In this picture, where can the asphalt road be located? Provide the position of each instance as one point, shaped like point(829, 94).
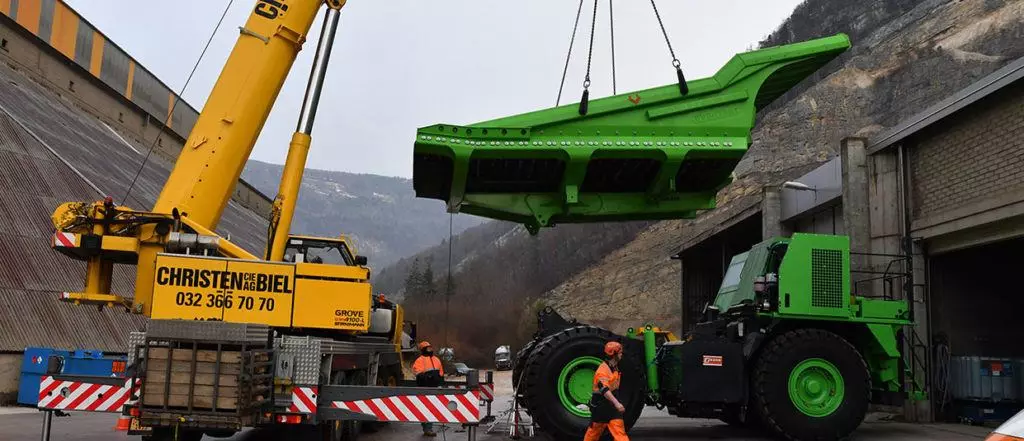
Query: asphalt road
point(26, 424)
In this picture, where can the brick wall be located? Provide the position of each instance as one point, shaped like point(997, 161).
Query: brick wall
point(977, 154)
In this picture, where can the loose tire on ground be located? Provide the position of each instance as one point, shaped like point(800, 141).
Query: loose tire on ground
point(545, 364)
point(789, 360)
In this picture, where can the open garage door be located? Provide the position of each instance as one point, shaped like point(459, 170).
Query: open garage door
point(976, 305)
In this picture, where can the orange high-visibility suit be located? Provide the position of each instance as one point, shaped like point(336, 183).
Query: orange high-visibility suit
point(603, 414)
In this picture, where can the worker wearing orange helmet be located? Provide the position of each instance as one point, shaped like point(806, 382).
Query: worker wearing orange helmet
point(605, 409)
point(429, 373)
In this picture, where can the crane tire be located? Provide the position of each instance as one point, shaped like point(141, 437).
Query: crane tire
point(811, 384)
point(549, 360)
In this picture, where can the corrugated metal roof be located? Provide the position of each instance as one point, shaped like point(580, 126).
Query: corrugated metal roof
point(33, 181)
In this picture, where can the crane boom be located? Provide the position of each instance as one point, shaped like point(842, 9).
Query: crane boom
point(215, 153)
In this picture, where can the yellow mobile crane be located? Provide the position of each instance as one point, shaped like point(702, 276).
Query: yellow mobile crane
point(233, 337)
point(171, 244)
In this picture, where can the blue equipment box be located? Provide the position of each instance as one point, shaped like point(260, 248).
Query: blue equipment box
point(38, 362)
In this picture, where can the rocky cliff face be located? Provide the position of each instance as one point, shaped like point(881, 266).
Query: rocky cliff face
point(906, 55)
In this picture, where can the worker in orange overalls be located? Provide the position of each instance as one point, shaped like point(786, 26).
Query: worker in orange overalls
point(429, 373)
point(605, 409)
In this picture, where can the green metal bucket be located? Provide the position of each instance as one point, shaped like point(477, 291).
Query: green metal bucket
point(647, 155)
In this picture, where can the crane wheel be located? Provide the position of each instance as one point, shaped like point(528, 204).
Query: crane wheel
point(811, 384)
point(343, 430)
point(167, 434)
point(558, 378)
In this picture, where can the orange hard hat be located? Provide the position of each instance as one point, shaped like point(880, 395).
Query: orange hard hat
point(612, 348)
point(424, 344)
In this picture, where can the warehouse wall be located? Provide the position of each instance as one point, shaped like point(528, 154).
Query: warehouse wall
point(976, 155)
point(55, 46)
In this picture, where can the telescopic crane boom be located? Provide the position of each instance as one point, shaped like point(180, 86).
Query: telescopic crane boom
point(184, 269)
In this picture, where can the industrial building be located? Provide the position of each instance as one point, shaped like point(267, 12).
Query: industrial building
point(951, 180)
point(78, 116)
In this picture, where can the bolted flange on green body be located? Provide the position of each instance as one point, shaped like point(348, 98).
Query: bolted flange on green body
point(647, 155)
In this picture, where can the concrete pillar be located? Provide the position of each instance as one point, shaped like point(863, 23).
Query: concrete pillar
point(856, 213)
point(771, 213)
point(885, 228)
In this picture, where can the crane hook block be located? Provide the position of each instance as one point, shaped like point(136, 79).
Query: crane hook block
point(648, 155)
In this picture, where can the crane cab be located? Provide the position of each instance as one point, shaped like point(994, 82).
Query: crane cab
point(322, 250)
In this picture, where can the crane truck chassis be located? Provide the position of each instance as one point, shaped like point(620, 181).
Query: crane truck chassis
point(785, 345)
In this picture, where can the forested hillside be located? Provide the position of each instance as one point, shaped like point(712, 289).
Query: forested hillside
point(379, 213)
point(499, 272)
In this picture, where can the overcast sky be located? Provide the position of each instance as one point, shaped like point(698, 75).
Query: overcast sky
point(402, 64)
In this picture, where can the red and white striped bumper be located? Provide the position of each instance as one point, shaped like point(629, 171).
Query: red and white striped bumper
point(55, 394)
point(456, 408)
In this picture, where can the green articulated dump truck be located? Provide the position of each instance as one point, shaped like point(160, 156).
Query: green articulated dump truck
point(785, 346)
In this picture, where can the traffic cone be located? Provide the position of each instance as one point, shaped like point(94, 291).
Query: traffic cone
point(124, 422)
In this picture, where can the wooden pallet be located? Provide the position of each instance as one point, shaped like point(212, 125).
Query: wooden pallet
point(183, 378)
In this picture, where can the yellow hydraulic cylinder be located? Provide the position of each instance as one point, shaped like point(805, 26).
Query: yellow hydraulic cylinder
point(288, 193)
point(295, 165)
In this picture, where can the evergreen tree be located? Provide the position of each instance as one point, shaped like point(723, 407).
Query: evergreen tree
point(413, 287)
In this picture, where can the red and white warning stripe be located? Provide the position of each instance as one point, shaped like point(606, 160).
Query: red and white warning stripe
point(486, 392)
point(63, 240)
point(303, 400)
point(83, 396)
point(455, 408)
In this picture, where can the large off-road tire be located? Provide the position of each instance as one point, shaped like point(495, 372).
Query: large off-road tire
point(811, 384)
point(519, 368)
point(558, 376)
point(519, 363)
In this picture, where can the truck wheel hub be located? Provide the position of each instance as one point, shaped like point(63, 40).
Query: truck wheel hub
point(816, 387)
point(575, 382)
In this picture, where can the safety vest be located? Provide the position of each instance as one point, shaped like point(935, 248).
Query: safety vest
point(607, 377)
point(425, 363)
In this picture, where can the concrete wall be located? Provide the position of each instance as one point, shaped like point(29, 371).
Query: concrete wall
point(10, 372)
point(45, 65)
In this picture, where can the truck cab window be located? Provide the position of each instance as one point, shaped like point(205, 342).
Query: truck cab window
point(329, 254)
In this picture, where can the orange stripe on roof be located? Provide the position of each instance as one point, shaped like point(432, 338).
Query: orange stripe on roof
point(65, 29)
point(170, 109)
point(28, 15)
point(96, 59)
point(131, 79)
